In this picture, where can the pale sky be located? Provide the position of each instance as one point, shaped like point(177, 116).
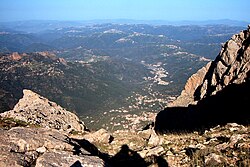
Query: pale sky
point(171, 10)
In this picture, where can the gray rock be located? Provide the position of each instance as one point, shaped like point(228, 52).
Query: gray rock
point(100, 136)
point(67, 159)
point(215, 160)
point(41, 147)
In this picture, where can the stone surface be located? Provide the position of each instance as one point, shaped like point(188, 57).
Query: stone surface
point(100, 136)
point(66, 159)
point(187, 95)
point(22, 146)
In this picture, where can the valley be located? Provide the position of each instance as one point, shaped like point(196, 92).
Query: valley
point(114, 76)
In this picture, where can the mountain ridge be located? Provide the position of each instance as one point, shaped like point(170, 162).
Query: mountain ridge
point(25, 25)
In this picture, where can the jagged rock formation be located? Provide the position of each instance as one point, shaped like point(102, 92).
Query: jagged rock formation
point(230, 67)
point(41, 137)
point(187, 95)
point(35, 109)
point(218, 93)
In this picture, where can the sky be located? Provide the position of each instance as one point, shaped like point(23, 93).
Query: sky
point(171, 10)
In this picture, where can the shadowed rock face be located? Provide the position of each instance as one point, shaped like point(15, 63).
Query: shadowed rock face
point(217, 94)
point(230, 67)
point(229, 105)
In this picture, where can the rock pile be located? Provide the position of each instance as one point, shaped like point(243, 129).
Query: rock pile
point(227, 145)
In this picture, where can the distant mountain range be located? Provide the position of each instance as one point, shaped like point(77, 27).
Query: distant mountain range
point(114, 38)
point(34, 26)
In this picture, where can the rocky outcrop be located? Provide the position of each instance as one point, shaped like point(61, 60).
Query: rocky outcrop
point(193, 83)
point(37, 132)
point(15, 56)
point(100, 136)
point(35, 109)
point(230, 67)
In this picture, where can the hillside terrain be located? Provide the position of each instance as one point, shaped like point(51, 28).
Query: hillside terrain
point(101, 86)
point(207, 125)
point(114, 71)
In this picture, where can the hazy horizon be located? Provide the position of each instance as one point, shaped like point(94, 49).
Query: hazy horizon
point(148, 10)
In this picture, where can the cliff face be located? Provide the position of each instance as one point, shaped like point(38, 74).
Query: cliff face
point(217, 94)
point(231, 66)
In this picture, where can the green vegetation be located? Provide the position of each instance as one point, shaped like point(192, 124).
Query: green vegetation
point(8, 123)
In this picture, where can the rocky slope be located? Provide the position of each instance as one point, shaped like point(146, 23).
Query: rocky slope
point(36, 133)
point(227, 145)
